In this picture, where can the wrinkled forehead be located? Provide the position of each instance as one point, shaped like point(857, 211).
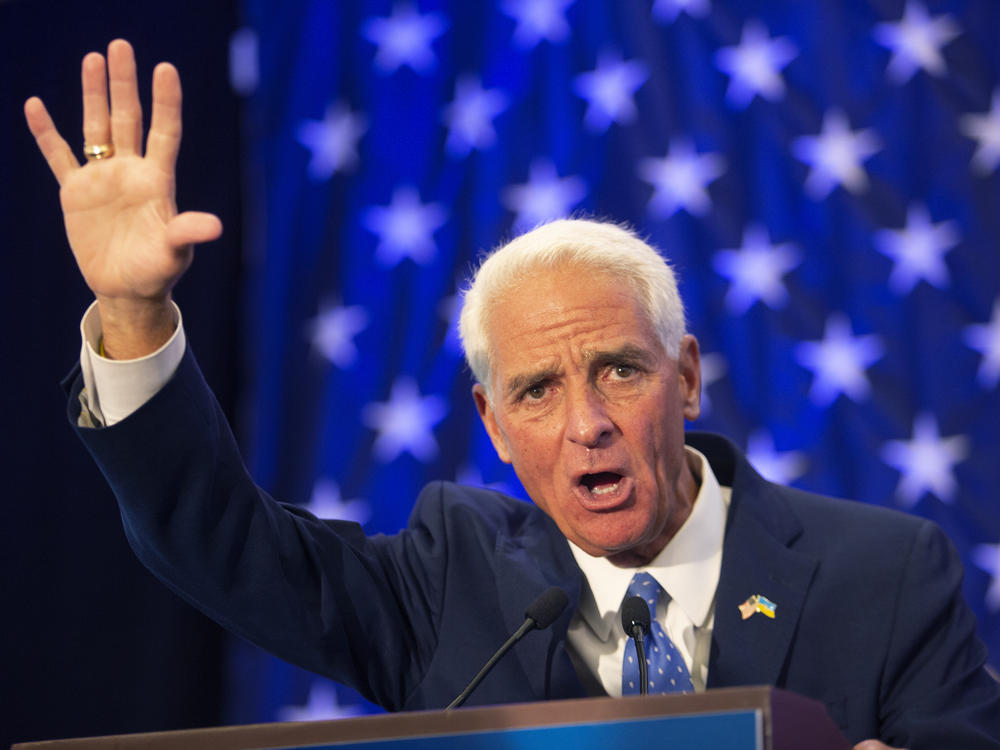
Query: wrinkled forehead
point(576, 307)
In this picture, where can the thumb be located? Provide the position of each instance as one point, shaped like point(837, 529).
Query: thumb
point(193, 227)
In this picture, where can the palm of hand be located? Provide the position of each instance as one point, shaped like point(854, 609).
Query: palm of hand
point(117, 212)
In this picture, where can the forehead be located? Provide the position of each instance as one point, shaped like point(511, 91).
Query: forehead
point(566, 311)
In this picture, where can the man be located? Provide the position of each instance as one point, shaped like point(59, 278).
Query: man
point(585, 376)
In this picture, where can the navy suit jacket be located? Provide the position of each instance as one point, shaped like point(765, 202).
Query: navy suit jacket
point(870, 618)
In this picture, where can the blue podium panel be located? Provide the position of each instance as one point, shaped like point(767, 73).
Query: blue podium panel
point(727, 730)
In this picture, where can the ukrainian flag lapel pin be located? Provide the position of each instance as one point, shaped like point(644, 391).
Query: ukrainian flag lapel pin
point(758, 603)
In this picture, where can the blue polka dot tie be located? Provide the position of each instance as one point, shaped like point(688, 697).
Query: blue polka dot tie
point(665, 667)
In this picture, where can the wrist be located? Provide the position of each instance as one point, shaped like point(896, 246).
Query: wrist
point(134, 328)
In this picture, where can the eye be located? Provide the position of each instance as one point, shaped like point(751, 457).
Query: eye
point(535, 392)
point(623, 372)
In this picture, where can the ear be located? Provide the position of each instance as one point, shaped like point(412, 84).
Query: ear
point(689, 377)
point(489, 419)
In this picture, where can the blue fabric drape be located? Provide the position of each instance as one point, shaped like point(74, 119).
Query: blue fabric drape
point(824, 176)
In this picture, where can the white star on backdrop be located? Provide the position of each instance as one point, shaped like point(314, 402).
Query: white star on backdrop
point(926, 463)
point(545, 196)
point(538, 20)
point(755, 65)
point(917, 250)
point(987, 557)
point(321, 704)
point(450, 310)
point(609, 89)
point(680, 179)
point(779, 467)
point(405, 227)
point(405, 422)
point(835, 156)
point(405, 38)
point(985, 130)
point(333, 141)
point(668, 10)
point(713, 368)
point(755, 270)
point(326, 502)
point(470, 115)
point(839, 361)
point(332, 333)
point(916, 41)
point(985, 339)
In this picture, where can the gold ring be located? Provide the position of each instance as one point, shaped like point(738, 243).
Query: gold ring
point(98, 151)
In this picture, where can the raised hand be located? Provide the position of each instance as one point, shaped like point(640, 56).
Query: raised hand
point(121, 217)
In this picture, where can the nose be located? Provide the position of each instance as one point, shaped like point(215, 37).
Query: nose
point(587, 419)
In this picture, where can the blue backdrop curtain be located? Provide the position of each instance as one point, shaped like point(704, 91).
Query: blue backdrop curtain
point(823, 175)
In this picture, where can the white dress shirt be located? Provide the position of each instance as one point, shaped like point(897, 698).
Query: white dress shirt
point(113, 388)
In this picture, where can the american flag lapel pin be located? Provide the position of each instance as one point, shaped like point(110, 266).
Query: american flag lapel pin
point(758, 603)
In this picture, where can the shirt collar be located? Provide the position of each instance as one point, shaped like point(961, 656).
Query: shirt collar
point(687, 567)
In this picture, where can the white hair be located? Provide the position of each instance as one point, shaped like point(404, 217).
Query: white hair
point(579, 243)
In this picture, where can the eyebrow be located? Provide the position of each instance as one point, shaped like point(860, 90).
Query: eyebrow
point(518, 383)
point(626, 352)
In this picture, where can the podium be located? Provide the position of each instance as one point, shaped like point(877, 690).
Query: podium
point(754, 718)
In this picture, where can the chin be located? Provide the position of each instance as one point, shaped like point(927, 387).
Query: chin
point(609, 546)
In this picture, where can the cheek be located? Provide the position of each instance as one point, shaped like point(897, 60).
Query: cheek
point(531, 440)
point(534, 454)
point(532, 466)
point(657, 442)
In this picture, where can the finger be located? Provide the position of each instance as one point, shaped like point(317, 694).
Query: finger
point(165, 123)
point(126, 112)
point(96, 125)
point(56, 151)
point(192, 228)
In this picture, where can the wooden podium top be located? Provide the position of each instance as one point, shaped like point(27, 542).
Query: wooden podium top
point(786, 720)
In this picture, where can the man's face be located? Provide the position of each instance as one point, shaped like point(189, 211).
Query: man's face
point(590, 410)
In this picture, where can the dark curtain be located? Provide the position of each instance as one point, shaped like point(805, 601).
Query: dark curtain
point(91, 643)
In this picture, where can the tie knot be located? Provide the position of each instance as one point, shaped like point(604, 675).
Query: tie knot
point(645, 586)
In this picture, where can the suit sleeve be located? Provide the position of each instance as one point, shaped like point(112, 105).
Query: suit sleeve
point(320, 594)
point(935, 691)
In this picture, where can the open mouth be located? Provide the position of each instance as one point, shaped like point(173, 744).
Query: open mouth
point(603, 491)
point(601, 483)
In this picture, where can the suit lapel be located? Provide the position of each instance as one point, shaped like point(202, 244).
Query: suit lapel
point(757, 560)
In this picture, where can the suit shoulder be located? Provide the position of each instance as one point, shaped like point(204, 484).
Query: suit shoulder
point(871, 540)
point(830, 514)
point(833, 508)
point(791, 512)
point(450, 502)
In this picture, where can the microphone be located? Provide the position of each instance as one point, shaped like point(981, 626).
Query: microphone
point(539, 615)
point(546, 607)
point(635, 623)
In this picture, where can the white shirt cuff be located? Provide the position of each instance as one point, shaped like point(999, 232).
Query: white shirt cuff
point(114, 388)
